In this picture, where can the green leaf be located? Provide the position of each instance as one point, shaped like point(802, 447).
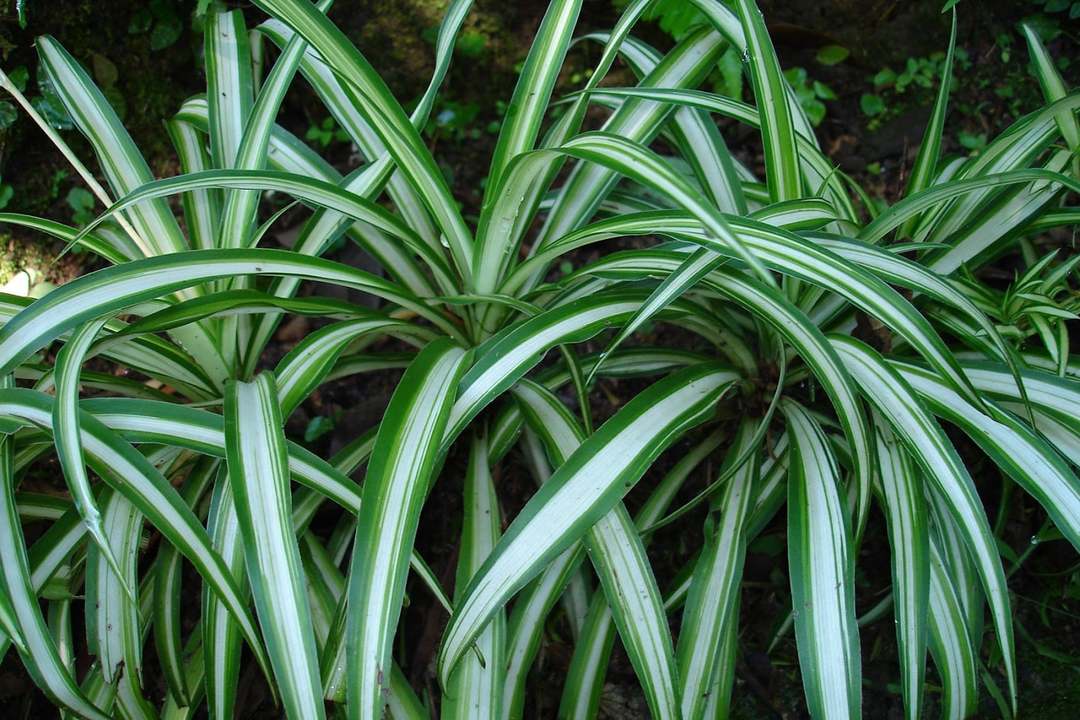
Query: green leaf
point(909, 540)
point(8, 115)
point(712, 602)
point(259, 478)
point(832, 54)
point(822, 574)
point(770, 95)
point(927, 443)
point(399, 475)
point(581, 491)
point(871, 104)
point(38, 651)
point(317, 427)
point(165, 33)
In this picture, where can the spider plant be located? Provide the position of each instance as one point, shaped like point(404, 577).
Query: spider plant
point(771, 271)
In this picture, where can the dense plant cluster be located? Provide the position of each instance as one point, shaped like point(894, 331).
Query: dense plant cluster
point(772, 270)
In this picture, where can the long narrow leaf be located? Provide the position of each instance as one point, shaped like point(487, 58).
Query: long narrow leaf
point(822, 574)
point(398, 478)
point(580, 492)
point(258, 469)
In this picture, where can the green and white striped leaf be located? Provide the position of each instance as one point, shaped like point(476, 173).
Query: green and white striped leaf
point(384, 114)
point(307, 365)
point(909, 540)
point(259, 478)
point(532, 93)
point(777, 128)
point(318, 192)
point(1013, 446)
point(926, 442)
point(838, 266)
point(817, 169)
point(936, 195)
point(112, 289)
point(152, 226)
point(619, 557)
point(581, 491)
point(120, 160)
point(822, 573)
point(130, 473)
point(239, 302)
point(202, 208)
point(39, 653)
point(112, 620)
point(69, 449)
point(1016, 148)
point(700, 264)
point(341, 101)
point(114, 252)
point(476, 688)
point(229, 86)
point(399, 475)
point(248, 151)
point(950, 643)
point(773, 307)
point(922, 172)
point(507, 356)
point(579, 197)
point(712, 603)
point(1053, 88)
point(203, 432)
point(166, 622)
point(220, 635)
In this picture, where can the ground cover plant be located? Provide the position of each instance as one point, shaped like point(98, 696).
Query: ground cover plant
point(848, 368)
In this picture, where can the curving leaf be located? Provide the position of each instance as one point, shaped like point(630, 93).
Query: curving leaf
point(259, 478)
point(581, 491)
point(822, 573)
point(400, 472)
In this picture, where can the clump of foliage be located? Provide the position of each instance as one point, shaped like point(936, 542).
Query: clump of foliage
point(773, 272)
